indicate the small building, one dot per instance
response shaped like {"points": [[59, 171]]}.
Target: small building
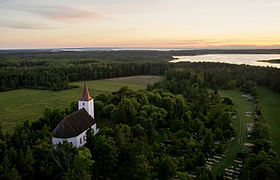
{"points": [[73, 127]]}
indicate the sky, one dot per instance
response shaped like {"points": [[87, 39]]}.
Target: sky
{"points": [[140, 23]]}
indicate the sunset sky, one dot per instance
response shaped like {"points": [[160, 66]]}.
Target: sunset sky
{"points": [[140, 23]]}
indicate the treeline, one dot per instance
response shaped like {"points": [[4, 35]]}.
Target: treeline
{"points": [[145, 134], [56, 70], [117, 56], [229, 76], [262, 162], [59, 76]]}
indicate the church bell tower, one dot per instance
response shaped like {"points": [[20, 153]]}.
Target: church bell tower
{"points": [[87, 102]]}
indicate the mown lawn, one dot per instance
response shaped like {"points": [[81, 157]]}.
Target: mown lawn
{"points": [[270, 104], [241, 105], [29, 104]]}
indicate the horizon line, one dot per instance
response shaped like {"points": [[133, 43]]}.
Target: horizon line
{"points": [[148, 48]]}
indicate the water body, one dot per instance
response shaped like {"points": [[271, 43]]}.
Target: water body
{"points": [[119, 49], [248, 59]]}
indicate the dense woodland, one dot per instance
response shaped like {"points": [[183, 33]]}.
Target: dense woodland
{"points": [[163, 132], [166, 131], [134, 125], [55, 70]]}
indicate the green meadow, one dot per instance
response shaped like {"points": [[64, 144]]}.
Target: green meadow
{"points": [[29, 104], [270, 104]]}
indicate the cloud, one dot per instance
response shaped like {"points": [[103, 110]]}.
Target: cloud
{"points": [[4, 1], [193, 42], [25, 25], [66, 14]]}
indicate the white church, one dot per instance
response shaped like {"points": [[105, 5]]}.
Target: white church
{"points": [[73, 127]]}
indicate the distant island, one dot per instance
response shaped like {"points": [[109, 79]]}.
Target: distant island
{"points": [[275, 61]]}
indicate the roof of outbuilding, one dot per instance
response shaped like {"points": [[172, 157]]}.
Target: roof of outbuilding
{"points": [[86, 95], [74, 124]]}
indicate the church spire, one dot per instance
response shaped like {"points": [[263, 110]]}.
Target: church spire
{"points": [[86, 96]]}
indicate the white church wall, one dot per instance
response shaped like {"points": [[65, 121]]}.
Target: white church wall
{"points": [[72, 140], [77, 141], [88, 105], [81, 139], [95, 130]]}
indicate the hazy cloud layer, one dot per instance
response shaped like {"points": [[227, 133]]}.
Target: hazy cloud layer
{"points": [[25, 25], [176, 23], [66, 14]]}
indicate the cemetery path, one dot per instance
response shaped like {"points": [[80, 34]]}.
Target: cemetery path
{"points": [[241, 106], [241, 133]]}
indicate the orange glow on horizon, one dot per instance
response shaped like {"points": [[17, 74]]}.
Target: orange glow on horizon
{"points": [[143, 23]]}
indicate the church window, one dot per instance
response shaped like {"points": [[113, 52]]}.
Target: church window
{"points": [[81, 141], [84, 138], [83, 104]]}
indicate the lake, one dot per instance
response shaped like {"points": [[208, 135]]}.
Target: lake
{"points": [[248, 59]]}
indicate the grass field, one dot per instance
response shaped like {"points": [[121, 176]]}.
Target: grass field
{"points": [[138, 80], [29, 104], [241, 105], [270, 104]]}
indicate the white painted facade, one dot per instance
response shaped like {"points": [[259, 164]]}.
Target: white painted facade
{"points": [[77, 141], [88, 105]]}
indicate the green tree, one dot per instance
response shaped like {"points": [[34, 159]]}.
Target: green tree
{"points": [[143, 168], [105, 155], [167, 168], [82, 161], [122, 138], [208, 142], [126, 112], [28, 161]]}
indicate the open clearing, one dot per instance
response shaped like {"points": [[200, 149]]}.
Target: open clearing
{"points": [[241, 105], [29, 104], [270, 104], [138, 80]]}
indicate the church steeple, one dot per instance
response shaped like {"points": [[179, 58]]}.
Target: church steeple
{"points": [[86, 102], [86, 95]]}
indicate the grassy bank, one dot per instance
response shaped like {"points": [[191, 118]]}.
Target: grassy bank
{"points": [[270, 104], [29, 104]]}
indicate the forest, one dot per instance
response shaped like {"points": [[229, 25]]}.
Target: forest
{"points": [[56, 70], [164, 132]]}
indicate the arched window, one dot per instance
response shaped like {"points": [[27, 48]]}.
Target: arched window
{"points": [[83, 104], [81, 141]]}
